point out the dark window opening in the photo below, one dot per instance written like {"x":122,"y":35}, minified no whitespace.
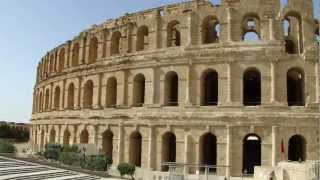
{"x":88,"y":95}
{"x":57,"y":98}
{"x":171,"y":89}
{"x":168,"y":149}
{"x":115,"y":43}
{"x":297,"y":148}
{"x":111,"y":92}
{"x":71,"y":97}
{"x":107,"y":143}
{"x":290,"y":47}
{"x":84,"y":137}
{"x":295,"y":87}
{"x":208,"y":150}
{"x":251,"y":153}
{"x":142,"y":38}
{"x":210,"y":30}
{"x":210,"y":88}
{"x":139,"y":90}
{"x":173,"y":34}
{"x":135,"y":148}
{"x":252,"y":88}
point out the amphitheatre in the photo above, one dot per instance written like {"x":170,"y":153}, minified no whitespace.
{"x":183,"y":83}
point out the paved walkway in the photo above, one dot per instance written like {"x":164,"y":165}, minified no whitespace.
{"x":12,"y":169}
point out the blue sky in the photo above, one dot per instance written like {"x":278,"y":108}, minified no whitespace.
{"x":29,"y":28}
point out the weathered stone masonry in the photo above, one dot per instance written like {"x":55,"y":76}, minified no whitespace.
{"x":181,"y":83}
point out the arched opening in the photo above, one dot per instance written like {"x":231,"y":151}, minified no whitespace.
{"x":46,"y":101}
{"x":171,"y":89}
{"x":295,"y":87}
{"x":138,"y":90}
{"x":209,"y":84}
{"x":135,"y":148}
{"x":115,"y":43}
{"x":251,"y":153}
{"x":40,"y":102}
{"x":173,"y":34}
{"x":290,"y":46}
{"x":71,"y":96}
{"x":142,"y":38}
{"x":251,"y":37}
{"x":168,"y":149}
{"x":111,"y":92}
{"x":61,"y":60}
{"x":88,"y":94}
{"x":251,"y":27}
{"x":297,"y":148}
{"x":57,"y":98}
{"x":210,"y":30}
{"x":293,"y":32}
{"x":52,"y":137}
{"x":66,"y":137}
{"x":252,"y":87}
{"x":75,"y":55}
{"x":107,"y":143}
{"x":93,"y":50}
{"x":84,"y":137}
{"x":52,"y":63}
{"x":208,"y":150}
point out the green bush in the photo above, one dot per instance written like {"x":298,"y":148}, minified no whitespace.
{"x":52,"y":151}
{"x":69,"y":158}
{"x":6,"y":147}
{"x":96,"y":163}
{"x":69,"y":155}
{"x":126,"y":169}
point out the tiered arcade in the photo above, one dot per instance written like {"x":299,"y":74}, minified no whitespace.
{"x":192,"y":82}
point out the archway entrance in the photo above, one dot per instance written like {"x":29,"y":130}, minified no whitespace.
{"x":84,"y":137}
{"x":251,"y":153}
{"x":168,"y":149}
{"x":208,"y":150}
{"x":297,"y":148}
{"x":107,"y":146}
{"x":135,"y":148}
{"x":52,"y":138}
{"x":172,"y":89}
{"x":66,"y":137}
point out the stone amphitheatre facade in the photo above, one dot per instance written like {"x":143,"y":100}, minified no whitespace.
{"x":185,"y":83}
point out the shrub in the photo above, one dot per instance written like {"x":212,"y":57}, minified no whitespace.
{"x":69,"y":158}
{"x":96,"y":163}
{"x":69,"y":155}
{"x":6,"y":147}
{"x":126,"y":169}
{"x":52,"y":151}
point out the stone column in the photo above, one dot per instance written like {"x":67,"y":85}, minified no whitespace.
{"x":78,"y":105}
{"x":274,"y":145}
{"x":186,"y":152}
{"x":271,"y":29}
{"x":228,"y":151}
{"x":150,"y":148}
{"x":82,"y":51}
{"x":188,"y":85}
{"x":273,"y":83}
{"x":229,"y":84}
{"x":229,"y":24}
{"x":120,"y":144}
{"x":317,"y":82}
